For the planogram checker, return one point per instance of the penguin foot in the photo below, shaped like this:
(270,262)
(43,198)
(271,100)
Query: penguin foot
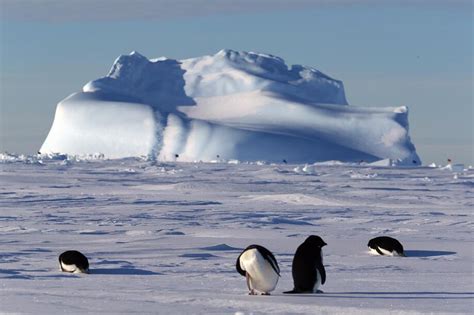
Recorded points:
(264,293)
(319,291)
(252,292)
(291,292)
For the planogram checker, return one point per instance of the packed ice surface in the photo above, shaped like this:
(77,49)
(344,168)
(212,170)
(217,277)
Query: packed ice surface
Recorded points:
(162,238)
(232,105)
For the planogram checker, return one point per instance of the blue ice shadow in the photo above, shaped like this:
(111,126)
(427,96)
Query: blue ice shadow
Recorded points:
(20,274)
(220,247)
(423,295)
(13,274)
(407,293)
(160,84)
(36,250)
(123,271)
(199,256)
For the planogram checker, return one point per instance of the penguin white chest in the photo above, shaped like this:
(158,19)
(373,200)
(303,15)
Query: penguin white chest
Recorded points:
(263,277)
(70,268)
(317,284)
(384,251)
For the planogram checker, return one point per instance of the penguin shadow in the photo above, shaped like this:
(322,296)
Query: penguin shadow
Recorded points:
(427,253)
(122,267)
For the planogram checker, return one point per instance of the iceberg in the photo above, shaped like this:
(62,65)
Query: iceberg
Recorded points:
(229,106)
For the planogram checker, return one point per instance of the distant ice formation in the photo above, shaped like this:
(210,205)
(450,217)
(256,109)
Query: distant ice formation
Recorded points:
(232,105)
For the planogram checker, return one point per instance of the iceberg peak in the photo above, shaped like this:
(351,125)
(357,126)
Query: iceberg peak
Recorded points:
(136,53)
(157,81)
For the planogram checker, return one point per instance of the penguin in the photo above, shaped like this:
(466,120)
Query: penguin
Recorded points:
(385,245)
(74,262)
(307,268)
(260,268)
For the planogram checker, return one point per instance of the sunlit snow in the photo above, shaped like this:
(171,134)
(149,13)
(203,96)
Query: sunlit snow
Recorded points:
(162,238)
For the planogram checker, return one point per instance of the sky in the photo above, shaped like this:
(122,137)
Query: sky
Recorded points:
(387,53)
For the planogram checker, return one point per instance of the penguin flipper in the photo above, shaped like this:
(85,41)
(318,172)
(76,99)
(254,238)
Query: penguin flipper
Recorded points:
(378,250)
(238,267)
(322,272)
(268,256)
(247,278)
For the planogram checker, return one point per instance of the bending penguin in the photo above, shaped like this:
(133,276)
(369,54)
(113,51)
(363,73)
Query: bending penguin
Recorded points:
(260,268)
(308,269)
(385,245)
(74,262)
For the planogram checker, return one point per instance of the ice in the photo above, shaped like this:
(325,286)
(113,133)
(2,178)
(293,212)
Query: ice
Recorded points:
(458,168)
(230,106)
(163,237)
(85,125)
(384,162)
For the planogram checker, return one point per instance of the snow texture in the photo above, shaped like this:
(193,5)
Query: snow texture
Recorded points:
(232,105)
(163,238)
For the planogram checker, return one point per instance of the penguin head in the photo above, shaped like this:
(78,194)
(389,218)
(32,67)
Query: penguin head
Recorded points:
(315,241)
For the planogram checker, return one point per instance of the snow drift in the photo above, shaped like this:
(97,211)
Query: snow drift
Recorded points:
(233,105)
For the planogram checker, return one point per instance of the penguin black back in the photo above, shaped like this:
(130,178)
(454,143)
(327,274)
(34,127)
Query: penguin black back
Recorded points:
(73,261)
(308,265)
(386,243)
(266,254)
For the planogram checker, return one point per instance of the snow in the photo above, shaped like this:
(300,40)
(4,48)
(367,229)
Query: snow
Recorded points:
(164,237)
(236,105)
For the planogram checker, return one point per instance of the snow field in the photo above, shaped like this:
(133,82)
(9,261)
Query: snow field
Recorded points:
(163,237)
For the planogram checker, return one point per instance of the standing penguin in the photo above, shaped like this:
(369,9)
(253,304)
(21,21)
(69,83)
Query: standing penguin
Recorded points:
(308,269)
(260,268)
(385,245)
(73,261)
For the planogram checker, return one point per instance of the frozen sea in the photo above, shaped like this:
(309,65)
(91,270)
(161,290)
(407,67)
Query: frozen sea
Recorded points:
(162,238)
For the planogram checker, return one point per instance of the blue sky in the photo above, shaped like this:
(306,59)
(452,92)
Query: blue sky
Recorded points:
(387,53)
